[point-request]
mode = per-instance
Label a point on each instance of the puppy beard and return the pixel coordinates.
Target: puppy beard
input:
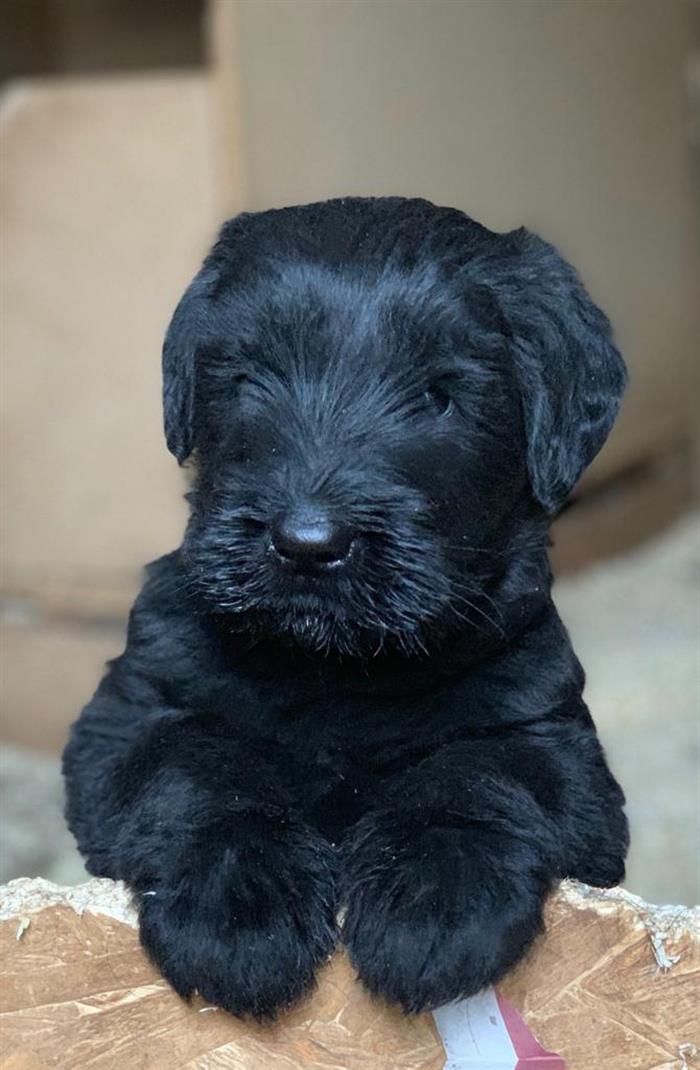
(313, 632)
(328, 634)
(392, 600)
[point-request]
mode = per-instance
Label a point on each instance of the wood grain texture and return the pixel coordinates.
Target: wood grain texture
(76, 991)
(615, 983)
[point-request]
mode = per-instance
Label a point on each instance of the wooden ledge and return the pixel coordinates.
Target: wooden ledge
(612, 985)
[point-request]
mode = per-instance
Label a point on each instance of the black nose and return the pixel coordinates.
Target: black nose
(307, 535)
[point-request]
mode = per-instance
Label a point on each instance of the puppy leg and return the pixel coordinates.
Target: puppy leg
(236, 893)
(441, 901)
(445, 884)
(592, 824)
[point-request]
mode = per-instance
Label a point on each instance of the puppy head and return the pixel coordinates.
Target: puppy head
(376, 393)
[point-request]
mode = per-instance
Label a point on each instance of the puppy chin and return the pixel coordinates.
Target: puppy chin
(342, 637)
(316, 633)
(311, 633)
(297, 627)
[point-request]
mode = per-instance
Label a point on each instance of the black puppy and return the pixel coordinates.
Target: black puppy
(349, 689)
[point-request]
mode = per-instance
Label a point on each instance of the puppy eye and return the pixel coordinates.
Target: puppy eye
(439, 399)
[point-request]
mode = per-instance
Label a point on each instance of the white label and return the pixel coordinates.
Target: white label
(474, 1034)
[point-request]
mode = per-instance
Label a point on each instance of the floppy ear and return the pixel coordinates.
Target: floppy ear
(571, 375)
(186, 333)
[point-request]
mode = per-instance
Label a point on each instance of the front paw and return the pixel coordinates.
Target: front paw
(246, 930)
(437, 914)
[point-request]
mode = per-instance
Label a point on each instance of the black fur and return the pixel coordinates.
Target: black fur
(401, 737)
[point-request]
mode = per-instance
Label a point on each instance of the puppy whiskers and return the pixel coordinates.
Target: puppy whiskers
(477, 609)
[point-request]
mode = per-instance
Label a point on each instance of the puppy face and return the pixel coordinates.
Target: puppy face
(360, 443)
(356, 410)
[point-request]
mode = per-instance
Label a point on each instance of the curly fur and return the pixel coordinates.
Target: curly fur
(402, 738)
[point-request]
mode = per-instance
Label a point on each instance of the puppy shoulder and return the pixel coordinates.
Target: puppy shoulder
(166, 625)
(536, 678)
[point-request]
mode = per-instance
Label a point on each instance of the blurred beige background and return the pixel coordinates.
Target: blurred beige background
(129, 130)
